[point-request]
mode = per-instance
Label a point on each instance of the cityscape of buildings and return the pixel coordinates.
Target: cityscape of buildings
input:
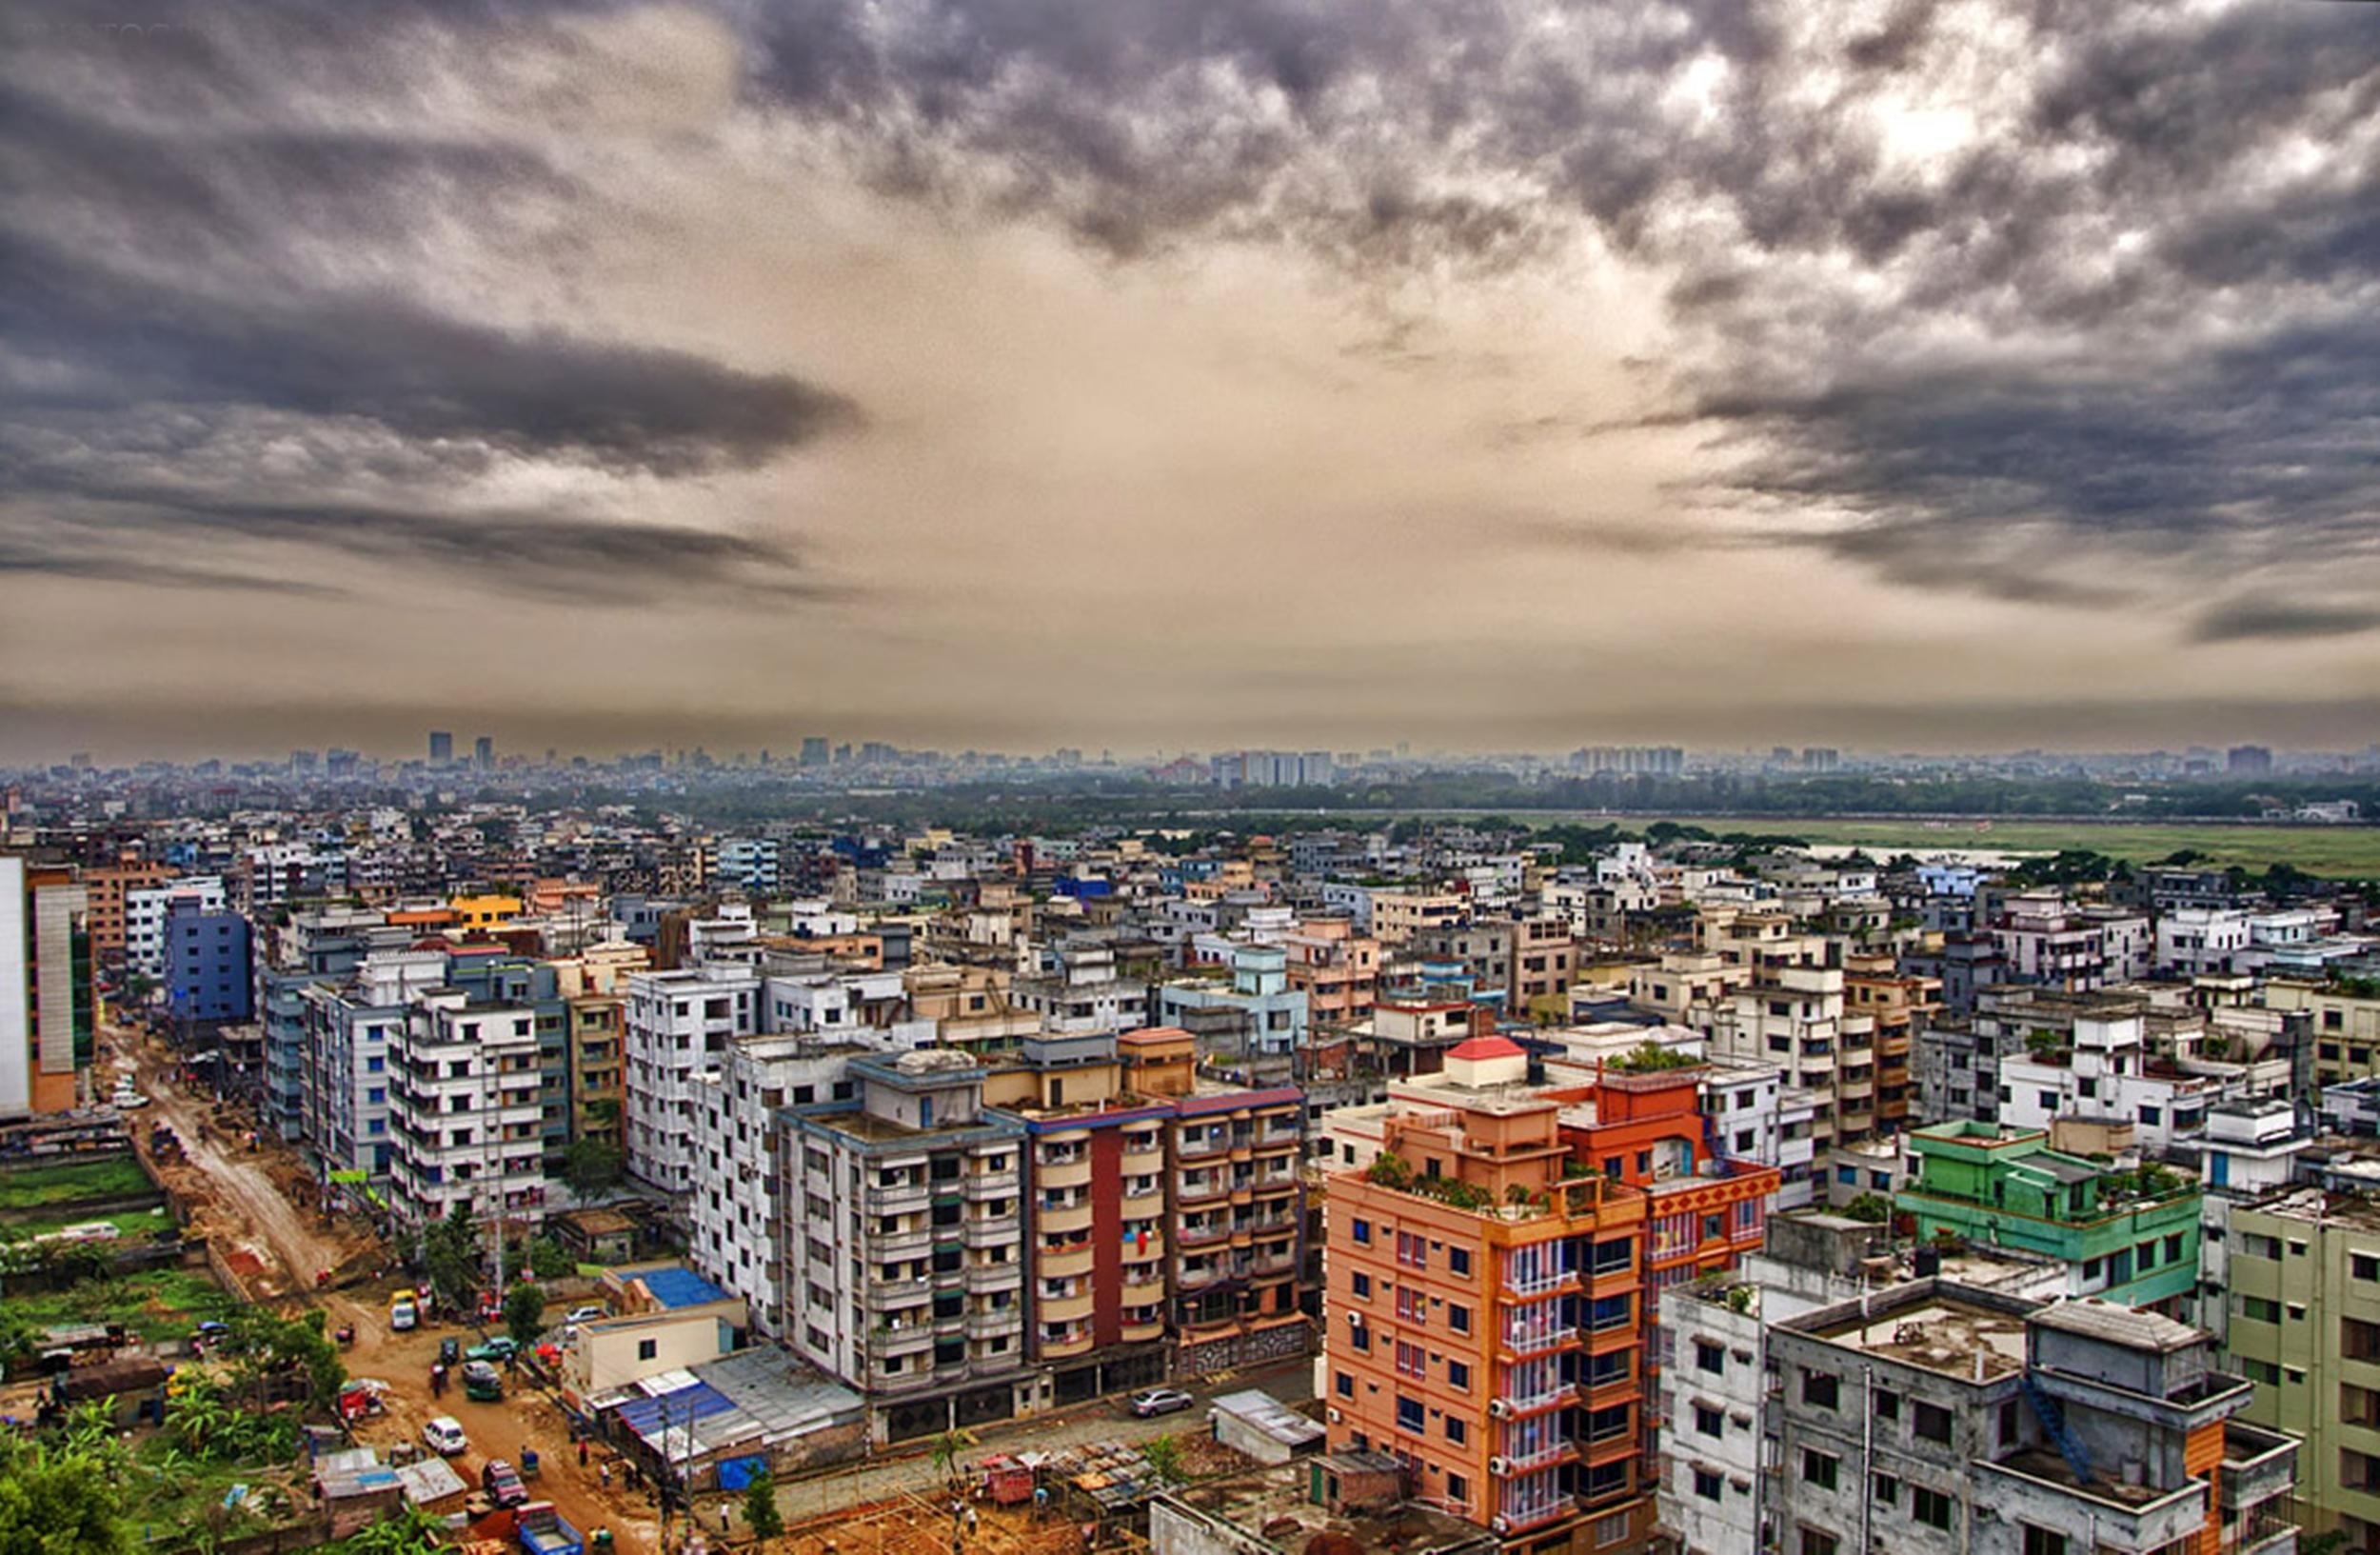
(1699, 1195)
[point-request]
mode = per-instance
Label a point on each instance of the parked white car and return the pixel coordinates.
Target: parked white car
(444, 1436)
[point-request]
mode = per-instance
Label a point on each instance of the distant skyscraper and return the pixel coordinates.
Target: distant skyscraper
(484, 753)
(440, 747)
(301, 762)
(2249, 760)
(1820, 758)
(814, 751)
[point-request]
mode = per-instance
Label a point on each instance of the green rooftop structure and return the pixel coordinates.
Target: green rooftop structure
(2125, 1235)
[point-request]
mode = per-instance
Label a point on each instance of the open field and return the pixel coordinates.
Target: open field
(155, 1304)
(72, 1182)
(2319, 851)
(129, 1223)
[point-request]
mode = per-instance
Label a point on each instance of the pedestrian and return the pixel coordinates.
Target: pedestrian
(607, 1473)
(581, 1452)
(727, 1516)
(970, 1521)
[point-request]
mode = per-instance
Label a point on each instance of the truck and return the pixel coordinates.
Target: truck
(545, 1531)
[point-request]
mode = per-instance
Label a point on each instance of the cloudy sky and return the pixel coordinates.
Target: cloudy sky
(1153, 373)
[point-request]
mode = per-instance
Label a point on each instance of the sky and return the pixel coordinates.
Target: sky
(1151, 375)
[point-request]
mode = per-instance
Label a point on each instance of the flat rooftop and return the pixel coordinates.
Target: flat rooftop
(2119, 1325)
(1940, 1333)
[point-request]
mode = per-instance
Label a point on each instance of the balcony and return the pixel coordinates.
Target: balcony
(903, 1198)
(991, 1185)
(1060, 1349)
(983, 1277)
(1536, 1340)
(1075, 1174)
(993, 1232)
(907, 1340)
(1207, 1234)
(1202, 1149)
(1201, 1188)
(1071, 1262)
(1066, 1219)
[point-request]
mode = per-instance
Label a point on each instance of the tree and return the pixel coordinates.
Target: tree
(525, 1313)
(60, 1492)
(450, 1255)
(591, 1166)
(1872, 1207)
(947, 1448)
(1164, 1456)
(760, 1508)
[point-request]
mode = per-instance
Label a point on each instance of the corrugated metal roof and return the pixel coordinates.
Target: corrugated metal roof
(675, 1287)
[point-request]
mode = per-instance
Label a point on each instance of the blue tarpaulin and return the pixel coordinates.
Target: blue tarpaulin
(735, 1473)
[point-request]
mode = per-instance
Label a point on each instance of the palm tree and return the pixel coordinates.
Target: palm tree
(948, 1447)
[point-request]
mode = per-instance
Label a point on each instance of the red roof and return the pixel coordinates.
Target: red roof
(1490, 1046)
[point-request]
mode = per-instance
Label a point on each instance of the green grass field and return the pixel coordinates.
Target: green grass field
(2319, 851)
(72, 1182)
(131, 1224)
(156, 1304)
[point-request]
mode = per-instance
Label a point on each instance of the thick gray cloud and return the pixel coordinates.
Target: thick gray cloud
(1939, 313)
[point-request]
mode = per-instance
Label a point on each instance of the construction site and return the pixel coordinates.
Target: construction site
(913, 1525)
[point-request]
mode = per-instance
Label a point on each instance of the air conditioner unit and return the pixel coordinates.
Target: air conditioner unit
(1333, 1414)
(1355, 1320)
(1499, 1525)
(1500, 1409)
(1500, 1467)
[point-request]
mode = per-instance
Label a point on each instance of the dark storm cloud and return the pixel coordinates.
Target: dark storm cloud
(530, 554)
(2282, 619)
(1397, 138)
(212, 244)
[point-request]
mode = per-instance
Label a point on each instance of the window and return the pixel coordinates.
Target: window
(647, 1349)
(1819, 1388)
(1709, 1357)
(1933, 1423)
(2259, 1372)
(1457, 1261)
(1410, 1361)
(1408, 1414)
(2260, 1309)
(1815, 1543)
(1885, 1488)
(1361, 1286)
(1888, 1404)
(1411, 1251)
(1458, 1318)
(1457, 1432)
(1345, 1384)
(1457, 1489)
(1709, 1421)
(1458, 1376)
(2364, 1266)
(1932, 1507)
(1706, 1485)
(1819, 1469)
(2049, 1100)
(2152, 1116)
(2011, 1424)
(2043, 1541)
(1362, 1231)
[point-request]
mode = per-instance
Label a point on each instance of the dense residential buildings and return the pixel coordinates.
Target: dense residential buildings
(678, 1027)
(2128, 1236)
(1932, 1417)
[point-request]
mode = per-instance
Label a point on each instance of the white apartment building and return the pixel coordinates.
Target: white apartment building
(464, 1111)
(828, 1003)
(901, 1235)
(734, 1243)
(2196, 941)
(145, 909)
(678, 1025)
(2105, 1075)
(1079, 993)
(344, 1115)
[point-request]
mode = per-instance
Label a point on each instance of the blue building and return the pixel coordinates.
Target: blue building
(206, 964)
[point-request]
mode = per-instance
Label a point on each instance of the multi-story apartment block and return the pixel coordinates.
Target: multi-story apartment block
(679, 1024)
(902, 1231)
(349, 1027)
(1719, 1470)
(596, 1029)
(1082, 992)
(2043, 938)
(464, 1113)
(2303, 1325)
(1255, 1020)
(206, 976)
(1335, 967)
(1235, 1204)
(1936, 1418)
(1899, 1003)
(104, 890)
(2345, 1017)
(1395, 917)
(1792, 1013)
(1098, 1236)
(47, 1014)
(734, 1242)
(2191, 941)
(2127, 1236)
(1483, 1325)
(2100, 1069)
(145, 909)
(748, 864)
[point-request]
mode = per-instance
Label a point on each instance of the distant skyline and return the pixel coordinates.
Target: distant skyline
(1941, 377)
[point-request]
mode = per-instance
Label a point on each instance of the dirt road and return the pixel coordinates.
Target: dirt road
(238, 1205)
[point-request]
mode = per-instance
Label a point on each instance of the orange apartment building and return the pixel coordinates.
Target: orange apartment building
(103, 896)
(1872, 986)
(1498, 1337)
(1338, 969)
